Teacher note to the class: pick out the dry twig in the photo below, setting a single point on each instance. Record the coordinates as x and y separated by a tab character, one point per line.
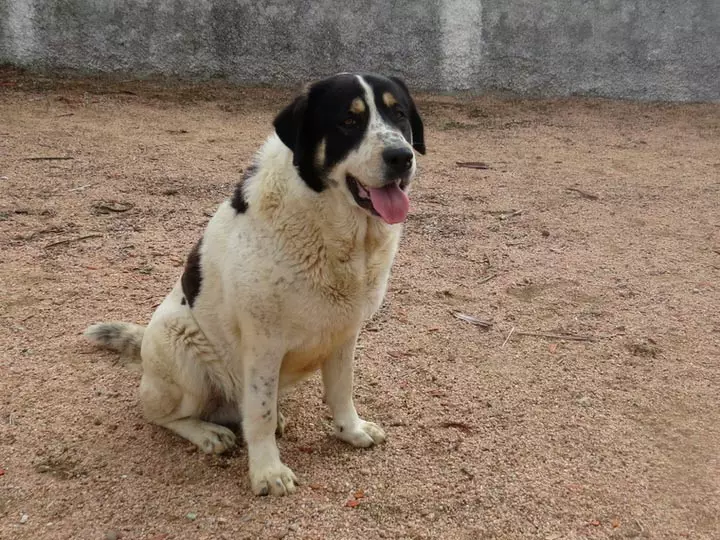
462	426
511	214
472	164
112	206
48	158
69	240
583	194
508	337
472	320
568	337
488	278
80	188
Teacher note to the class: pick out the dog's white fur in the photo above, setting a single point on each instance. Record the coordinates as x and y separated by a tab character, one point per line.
286	286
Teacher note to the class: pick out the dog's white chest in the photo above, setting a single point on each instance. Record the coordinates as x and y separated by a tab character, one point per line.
350	292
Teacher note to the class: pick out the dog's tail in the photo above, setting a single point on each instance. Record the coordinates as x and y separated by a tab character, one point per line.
121	337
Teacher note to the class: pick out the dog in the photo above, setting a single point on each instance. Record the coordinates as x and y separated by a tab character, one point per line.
284	276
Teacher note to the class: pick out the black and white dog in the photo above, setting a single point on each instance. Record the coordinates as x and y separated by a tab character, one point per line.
284	276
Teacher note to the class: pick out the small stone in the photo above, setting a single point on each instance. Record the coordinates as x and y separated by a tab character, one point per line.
584	401
192	516
545	233
97	421
112	535
24	518
293	527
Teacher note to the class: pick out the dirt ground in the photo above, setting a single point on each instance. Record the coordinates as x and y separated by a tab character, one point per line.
594	220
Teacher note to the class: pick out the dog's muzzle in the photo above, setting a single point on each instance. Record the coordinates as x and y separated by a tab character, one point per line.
390	202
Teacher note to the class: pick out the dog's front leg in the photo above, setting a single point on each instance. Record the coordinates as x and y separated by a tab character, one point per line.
268	475
337	372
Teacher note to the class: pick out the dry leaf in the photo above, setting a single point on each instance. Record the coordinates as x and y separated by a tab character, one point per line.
595	523
352	503
359	494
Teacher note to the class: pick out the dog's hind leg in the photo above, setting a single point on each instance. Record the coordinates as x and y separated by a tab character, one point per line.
166	404
175	391
281	423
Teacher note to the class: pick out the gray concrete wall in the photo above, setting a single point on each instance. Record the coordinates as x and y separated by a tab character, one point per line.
638	49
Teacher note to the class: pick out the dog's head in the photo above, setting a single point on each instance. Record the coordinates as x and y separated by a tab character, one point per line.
356	133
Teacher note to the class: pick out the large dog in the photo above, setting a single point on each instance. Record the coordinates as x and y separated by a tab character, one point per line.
285	274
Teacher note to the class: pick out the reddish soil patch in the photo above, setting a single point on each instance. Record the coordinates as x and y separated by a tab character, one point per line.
596	218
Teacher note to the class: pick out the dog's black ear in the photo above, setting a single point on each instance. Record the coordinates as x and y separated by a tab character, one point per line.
416	124
287	123
296	132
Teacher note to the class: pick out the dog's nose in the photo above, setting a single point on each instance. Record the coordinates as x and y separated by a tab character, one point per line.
398	160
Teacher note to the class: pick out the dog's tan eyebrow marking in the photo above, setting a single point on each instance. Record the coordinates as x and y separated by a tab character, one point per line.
389	99
320	153
357	106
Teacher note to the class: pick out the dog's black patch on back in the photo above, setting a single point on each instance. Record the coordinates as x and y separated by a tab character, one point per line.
192	276
238	201
183	302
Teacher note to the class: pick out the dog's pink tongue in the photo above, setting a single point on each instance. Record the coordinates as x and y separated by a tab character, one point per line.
391	203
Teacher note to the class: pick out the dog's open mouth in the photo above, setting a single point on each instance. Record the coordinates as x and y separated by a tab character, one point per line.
390	202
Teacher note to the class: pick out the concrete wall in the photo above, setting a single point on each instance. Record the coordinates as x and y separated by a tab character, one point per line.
640	49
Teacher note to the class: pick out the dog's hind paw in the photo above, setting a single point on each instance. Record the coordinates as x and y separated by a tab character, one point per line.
361	435
216	439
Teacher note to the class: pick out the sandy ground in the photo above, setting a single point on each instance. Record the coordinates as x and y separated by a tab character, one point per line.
594	219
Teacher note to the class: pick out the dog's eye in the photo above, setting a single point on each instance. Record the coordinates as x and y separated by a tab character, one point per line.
349	122
399	113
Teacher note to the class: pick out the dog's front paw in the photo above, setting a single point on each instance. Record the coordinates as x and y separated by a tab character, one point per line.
276	479
361	435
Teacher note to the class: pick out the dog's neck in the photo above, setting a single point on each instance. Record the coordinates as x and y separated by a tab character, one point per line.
278	196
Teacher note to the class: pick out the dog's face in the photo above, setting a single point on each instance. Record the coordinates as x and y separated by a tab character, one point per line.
356	133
